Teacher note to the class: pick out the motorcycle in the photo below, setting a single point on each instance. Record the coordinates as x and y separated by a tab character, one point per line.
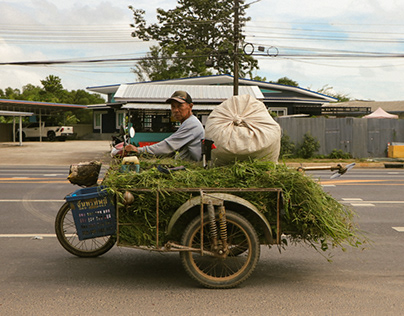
120	141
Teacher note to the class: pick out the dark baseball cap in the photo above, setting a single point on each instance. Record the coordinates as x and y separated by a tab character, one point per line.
181	97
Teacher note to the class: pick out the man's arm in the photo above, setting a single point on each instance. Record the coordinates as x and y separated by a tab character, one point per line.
174	142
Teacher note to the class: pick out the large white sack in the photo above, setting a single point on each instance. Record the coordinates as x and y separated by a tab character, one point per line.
242	128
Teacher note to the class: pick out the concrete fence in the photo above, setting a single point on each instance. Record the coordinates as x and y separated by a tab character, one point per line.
362	138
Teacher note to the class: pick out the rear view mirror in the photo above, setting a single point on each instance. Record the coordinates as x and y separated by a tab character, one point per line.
132	132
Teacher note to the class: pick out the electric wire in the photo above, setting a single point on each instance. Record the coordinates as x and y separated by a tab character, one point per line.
121	34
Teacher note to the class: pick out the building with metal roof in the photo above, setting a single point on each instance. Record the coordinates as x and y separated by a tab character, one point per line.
282	99
151	115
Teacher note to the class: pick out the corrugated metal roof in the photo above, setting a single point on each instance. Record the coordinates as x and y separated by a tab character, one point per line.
163	106
36	107
14	113
222	80
295	100
98	106
160	93
389	106
42	104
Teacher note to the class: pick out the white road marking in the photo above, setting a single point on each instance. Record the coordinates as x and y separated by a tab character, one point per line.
360	202
38	201
328	185
26	235
353	200
386	202
399	229
34	236
371	202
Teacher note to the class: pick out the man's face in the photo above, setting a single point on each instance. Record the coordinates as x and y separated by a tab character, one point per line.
181	111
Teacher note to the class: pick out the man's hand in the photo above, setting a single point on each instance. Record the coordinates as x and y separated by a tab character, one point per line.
130	147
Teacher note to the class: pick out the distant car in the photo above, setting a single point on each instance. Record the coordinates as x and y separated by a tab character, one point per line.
50	132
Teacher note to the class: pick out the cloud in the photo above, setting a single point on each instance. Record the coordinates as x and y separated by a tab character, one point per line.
50	30
362	26
43	30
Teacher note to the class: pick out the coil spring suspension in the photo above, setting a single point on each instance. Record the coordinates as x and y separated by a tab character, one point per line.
222	224
212	223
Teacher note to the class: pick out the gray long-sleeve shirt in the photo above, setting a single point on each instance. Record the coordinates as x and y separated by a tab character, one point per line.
186	140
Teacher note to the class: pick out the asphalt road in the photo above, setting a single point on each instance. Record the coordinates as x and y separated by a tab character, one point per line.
54	153
38	277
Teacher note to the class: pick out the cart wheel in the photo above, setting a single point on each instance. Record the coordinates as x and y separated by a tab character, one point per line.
68	238
221	271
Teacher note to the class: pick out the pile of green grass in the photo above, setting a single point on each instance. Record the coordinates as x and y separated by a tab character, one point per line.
310	214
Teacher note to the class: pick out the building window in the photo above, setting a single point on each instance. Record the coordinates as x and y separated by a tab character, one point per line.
279	111
120	119
97	120
147	123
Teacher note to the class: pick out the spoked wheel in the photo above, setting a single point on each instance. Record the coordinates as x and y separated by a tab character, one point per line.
225	269
67	235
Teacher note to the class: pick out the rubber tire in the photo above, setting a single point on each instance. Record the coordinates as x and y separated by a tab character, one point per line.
51	136
193	261
66	233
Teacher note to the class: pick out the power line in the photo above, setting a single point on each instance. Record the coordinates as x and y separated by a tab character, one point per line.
294	29
327	38
123	60
90	61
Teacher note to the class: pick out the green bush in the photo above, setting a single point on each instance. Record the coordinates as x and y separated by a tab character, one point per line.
307	149
287	147
339	154
309	146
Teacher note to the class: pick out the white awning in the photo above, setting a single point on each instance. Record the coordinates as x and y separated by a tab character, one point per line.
163	106
15	113
380	113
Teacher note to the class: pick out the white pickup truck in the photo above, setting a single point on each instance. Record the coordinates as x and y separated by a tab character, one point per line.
50	132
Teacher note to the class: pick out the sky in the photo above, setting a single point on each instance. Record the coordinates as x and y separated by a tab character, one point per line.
348	47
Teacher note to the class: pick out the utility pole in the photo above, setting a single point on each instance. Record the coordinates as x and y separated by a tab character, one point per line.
235	48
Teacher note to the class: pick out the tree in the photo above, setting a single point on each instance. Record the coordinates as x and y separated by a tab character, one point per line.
53	91
191	33
259	78
158	65
31	92
82	97
330	91
286	81
10	93
52	84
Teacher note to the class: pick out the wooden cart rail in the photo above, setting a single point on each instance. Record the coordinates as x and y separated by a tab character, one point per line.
204	197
